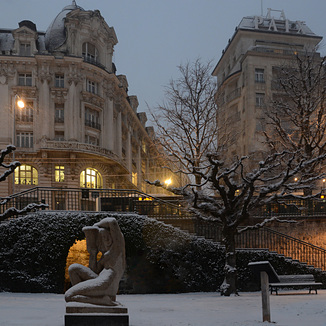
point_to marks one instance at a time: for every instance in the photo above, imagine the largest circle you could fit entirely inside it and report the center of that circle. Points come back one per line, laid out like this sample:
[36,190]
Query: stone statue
[99,283]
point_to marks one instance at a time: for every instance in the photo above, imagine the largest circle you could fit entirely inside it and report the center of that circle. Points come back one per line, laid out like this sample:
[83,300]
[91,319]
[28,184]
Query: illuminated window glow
[26,175]
[59,173]
[91,178]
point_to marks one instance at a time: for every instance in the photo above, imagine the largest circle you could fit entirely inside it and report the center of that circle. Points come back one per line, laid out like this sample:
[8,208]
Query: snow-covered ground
[190,309]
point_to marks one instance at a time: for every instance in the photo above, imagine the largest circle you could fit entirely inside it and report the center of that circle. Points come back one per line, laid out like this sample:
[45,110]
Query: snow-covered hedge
[160,258]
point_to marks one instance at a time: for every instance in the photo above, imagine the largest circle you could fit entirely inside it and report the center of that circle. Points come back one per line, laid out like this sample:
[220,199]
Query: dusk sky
[155,36]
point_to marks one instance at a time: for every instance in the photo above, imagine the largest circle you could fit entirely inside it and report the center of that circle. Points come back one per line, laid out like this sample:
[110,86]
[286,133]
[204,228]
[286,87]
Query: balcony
[233,95]
[92,124]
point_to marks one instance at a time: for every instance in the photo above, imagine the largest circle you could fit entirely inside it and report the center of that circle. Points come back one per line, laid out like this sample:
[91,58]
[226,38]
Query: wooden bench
[302,281]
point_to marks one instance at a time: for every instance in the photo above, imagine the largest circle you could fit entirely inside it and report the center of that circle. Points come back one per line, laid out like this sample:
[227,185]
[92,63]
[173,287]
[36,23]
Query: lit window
[259,76]
[25,79]
[59,81]
[91,86]
[59,173]
[24,139]
[91,178]
[134,178]
[90,53]
[26,175]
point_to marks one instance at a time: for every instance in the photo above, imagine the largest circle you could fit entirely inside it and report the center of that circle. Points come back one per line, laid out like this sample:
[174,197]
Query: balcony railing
[92,124]
[233,95]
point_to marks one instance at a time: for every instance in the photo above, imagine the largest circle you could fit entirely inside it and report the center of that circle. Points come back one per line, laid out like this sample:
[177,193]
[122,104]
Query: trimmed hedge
[160,258]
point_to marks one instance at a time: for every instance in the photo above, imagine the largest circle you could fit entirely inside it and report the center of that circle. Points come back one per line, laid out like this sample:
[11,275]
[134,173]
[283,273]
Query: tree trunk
[229,285]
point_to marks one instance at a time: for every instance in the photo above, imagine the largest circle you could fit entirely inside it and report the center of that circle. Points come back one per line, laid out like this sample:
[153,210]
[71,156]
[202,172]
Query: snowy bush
[160,258]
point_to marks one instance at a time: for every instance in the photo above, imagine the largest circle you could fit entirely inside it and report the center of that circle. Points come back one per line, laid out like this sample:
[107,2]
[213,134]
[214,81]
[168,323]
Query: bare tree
[238,194]
[296,116]
[186,125]
[10,168]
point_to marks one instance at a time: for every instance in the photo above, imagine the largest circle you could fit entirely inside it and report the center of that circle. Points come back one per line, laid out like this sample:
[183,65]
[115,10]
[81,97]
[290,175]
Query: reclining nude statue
[99,283]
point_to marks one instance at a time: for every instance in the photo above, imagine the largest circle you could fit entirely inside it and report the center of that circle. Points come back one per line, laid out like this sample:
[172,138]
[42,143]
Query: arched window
[90,53]
[91,178]
[26,175]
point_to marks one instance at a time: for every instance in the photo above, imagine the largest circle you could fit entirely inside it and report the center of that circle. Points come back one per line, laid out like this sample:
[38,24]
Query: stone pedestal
[83,314]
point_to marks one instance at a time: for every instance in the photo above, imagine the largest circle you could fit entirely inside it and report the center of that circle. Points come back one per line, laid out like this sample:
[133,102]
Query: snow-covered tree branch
[10,168]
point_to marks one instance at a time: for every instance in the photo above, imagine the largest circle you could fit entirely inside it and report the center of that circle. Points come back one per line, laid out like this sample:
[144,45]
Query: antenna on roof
[74,3]
[261,8]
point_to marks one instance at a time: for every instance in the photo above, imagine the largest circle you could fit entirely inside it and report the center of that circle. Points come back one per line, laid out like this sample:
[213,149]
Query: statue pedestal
[83,314]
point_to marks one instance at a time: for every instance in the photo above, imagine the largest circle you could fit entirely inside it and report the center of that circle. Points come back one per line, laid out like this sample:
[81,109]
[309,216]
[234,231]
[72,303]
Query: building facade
[78,127]
[245,74]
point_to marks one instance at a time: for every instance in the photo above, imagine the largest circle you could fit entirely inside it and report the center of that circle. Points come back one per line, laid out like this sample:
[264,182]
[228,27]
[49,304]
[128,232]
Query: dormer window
[90,53]
[25,49]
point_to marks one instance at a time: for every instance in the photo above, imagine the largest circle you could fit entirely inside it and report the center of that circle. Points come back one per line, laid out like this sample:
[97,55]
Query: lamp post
[20,103]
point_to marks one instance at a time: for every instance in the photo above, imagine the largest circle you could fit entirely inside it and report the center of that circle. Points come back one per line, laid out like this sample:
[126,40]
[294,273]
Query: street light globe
[20,104]
[168,181]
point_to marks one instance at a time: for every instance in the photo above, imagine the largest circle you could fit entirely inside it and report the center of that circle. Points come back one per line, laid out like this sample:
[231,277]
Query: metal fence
[266,238]
[71,199]
[134,201]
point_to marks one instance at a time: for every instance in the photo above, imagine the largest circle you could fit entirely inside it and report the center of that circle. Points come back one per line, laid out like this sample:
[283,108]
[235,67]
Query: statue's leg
[93,290]
[79,273]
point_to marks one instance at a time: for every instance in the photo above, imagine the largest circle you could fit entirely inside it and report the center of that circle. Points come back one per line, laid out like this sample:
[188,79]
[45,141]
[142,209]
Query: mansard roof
[55,35]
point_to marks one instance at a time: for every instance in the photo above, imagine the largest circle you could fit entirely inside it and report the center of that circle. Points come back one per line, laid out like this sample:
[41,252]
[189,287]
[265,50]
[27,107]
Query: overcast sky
[155,36]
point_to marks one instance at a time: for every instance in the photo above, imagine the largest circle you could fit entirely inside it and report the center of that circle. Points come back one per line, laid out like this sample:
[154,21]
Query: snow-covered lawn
[190,309]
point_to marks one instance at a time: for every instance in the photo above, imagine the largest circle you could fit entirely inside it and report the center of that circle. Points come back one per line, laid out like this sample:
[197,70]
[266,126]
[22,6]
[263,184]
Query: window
[59,135]
[25,79]
[91,86]
[91,178]
[92,118]
[260,99]
[25,49]
[92,140]
[90,52]
[59,113]
[26,175]
[59,81]
[24,139]
[134,178]
[59,173]
[259,75]
[25,114]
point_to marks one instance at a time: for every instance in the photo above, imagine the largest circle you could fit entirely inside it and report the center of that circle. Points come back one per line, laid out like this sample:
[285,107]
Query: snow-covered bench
[301,281]
[305,281]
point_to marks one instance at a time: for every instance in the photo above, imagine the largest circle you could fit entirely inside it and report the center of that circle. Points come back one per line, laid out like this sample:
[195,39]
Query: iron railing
[135,201]
[267,238]
[71,199]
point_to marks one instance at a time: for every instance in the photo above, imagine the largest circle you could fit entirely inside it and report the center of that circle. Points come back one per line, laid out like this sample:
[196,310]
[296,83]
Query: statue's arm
[93,264]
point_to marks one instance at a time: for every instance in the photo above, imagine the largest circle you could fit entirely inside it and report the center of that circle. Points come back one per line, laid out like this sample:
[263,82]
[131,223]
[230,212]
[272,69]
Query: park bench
[301,281]
[305,281]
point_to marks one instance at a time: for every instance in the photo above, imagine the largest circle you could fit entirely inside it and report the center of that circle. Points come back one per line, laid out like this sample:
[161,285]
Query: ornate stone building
[79,127]
[245,74]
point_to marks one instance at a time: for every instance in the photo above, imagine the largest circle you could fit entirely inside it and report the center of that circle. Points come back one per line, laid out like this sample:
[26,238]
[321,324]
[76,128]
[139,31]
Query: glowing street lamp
[20,104]
[168,181]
